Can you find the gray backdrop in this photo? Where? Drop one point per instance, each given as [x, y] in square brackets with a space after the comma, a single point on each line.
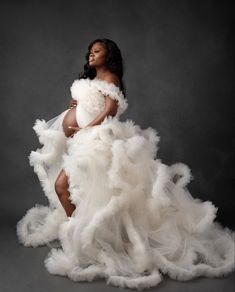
[179, 76]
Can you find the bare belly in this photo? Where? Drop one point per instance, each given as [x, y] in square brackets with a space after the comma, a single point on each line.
[69, 120]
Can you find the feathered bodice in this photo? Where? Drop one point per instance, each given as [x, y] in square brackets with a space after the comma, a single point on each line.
[90, 93]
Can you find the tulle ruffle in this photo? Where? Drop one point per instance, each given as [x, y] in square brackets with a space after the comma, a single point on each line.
[135, 219]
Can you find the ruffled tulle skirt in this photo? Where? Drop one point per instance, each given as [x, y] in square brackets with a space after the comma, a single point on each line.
[135, 219]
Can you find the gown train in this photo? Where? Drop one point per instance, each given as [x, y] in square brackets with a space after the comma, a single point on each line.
[135, 219]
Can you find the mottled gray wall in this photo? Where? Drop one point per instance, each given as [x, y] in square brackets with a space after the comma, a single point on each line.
[179, 61]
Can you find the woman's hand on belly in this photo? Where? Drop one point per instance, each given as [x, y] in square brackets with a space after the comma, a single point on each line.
[75, 129]
[73, 103]
[69, 120]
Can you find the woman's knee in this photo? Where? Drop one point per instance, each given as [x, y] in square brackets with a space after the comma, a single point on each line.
[61, 183]
[58, 186]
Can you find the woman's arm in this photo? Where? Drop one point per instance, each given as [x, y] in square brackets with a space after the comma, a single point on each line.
[109, 110]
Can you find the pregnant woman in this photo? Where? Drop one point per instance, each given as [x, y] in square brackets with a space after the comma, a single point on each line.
[82, 116]
[118, 212]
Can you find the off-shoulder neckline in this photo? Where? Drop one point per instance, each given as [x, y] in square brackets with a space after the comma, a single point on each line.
[106, 82]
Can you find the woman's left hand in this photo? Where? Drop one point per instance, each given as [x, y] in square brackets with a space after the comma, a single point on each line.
[76, 129]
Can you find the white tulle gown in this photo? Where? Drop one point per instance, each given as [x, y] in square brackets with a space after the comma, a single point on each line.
[135, 219]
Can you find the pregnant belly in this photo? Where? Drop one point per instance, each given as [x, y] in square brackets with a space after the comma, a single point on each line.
[69, 120]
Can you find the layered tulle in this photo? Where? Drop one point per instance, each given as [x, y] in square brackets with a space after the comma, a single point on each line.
[135, 219]
[134, 216]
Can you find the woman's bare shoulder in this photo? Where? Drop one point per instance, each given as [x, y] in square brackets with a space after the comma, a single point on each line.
[113, 78]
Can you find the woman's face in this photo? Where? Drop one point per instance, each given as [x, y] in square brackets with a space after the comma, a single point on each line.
[97, 55]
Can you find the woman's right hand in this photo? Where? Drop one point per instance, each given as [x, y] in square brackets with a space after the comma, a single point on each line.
[72, 103]
[75, 129]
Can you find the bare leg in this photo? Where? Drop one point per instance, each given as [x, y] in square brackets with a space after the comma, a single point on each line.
[61, 188]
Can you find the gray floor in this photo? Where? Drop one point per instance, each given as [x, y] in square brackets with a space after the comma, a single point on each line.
[22, 269]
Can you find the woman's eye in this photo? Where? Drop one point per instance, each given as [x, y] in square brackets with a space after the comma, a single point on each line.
[94, 52]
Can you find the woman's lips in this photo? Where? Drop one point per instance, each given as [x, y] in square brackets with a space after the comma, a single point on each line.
[92, 60]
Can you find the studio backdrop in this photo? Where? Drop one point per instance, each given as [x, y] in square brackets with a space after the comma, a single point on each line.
[179, 79]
